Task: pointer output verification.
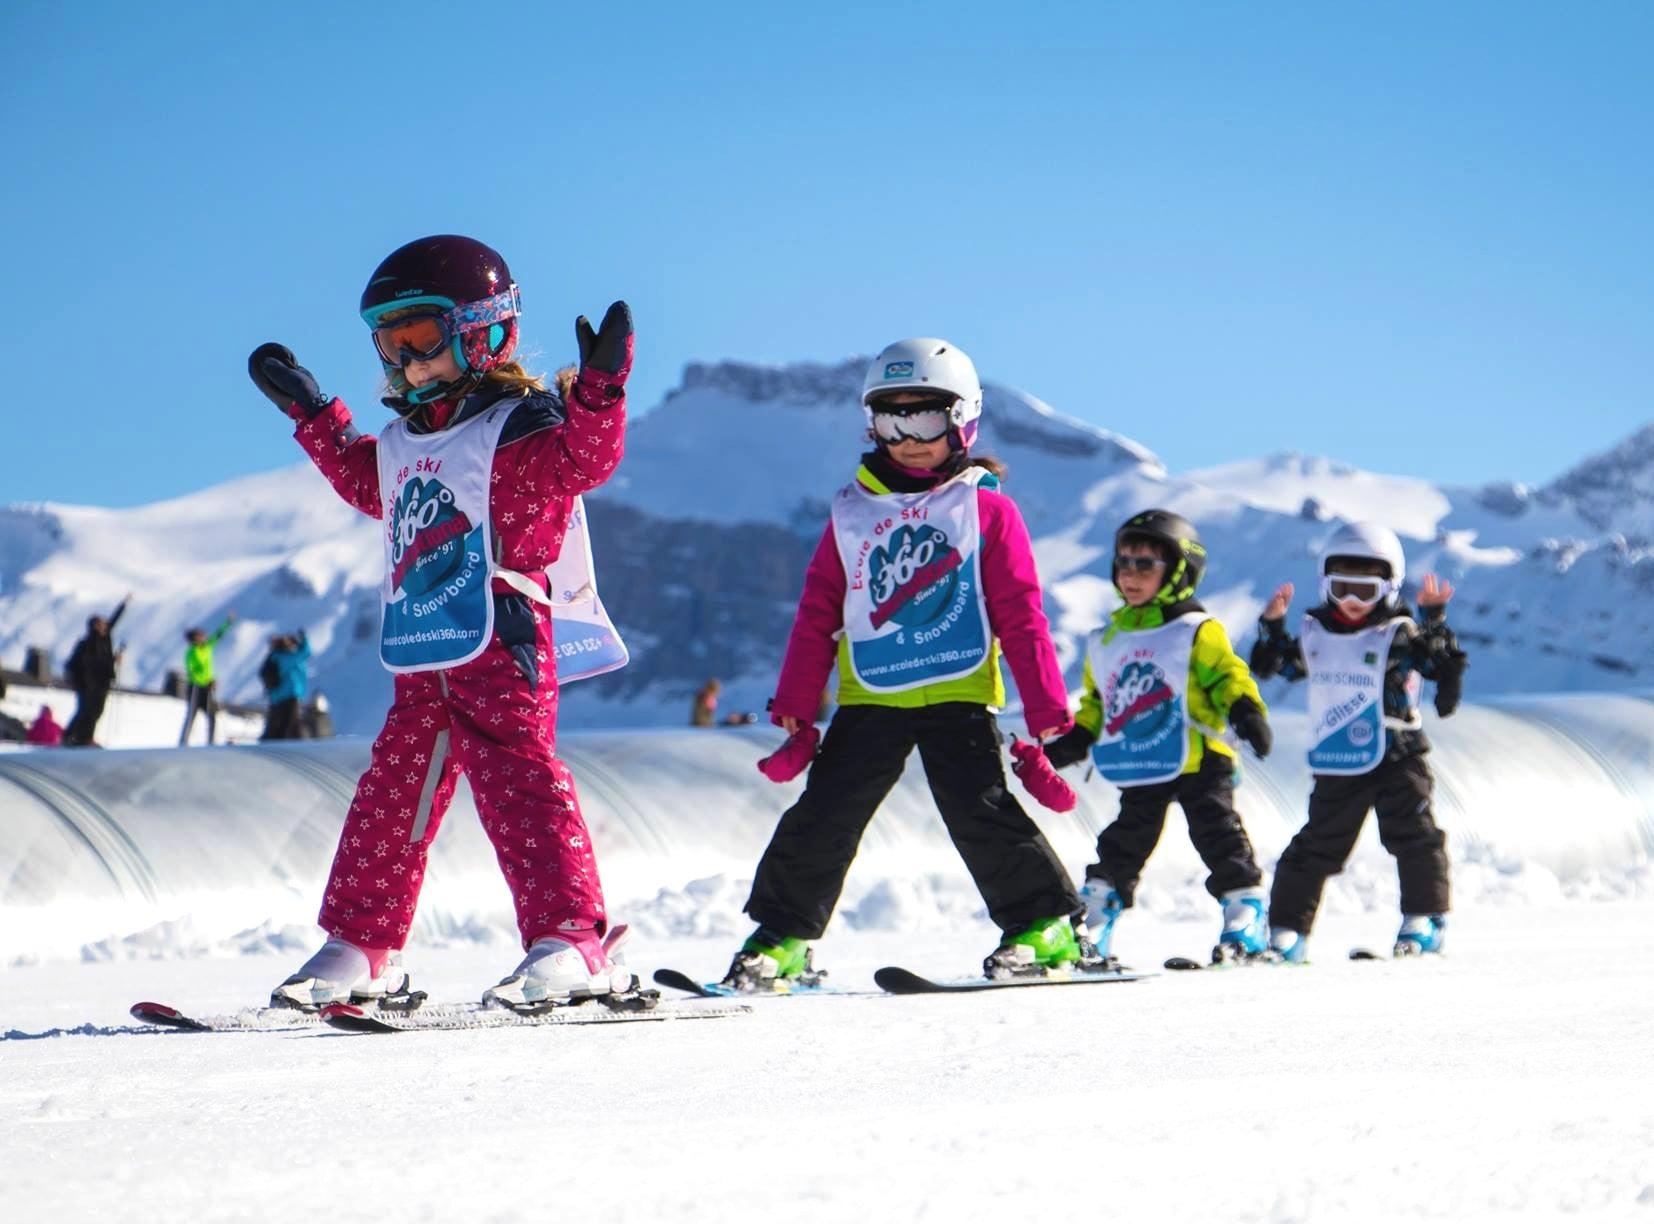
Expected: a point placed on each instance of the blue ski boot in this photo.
(1420, 934)
(1245, 926)
(1102, 907)
(1291, 947)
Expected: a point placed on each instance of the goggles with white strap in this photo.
(1365, 589)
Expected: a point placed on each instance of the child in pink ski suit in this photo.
(484, 460)
(924, 574)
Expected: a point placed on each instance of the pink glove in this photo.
(1039, 779)
(794, 757)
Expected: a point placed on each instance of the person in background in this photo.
(11, 729)
(91, 672)
(704, 713)
(45, 731)
(286, 673)
(200, 689)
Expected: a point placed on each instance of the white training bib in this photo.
(440, 561)
(1346, 696)
(914, 612)
(585, 640)
(439, 542)
(1143, 680)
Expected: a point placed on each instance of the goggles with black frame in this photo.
(921, 420)
(1129, 562)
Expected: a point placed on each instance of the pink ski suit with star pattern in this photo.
(484, 717)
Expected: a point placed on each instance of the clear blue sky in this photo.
(1414, 236)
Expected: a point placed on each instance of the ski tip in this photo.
(672, 979)
(142, 1011)
(1182, 964)
(897, 980)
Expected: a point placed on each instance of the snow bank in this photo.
(143, 854)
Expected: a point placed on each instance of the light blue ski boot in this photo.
(1245, 925)
(1102, 907)
(1420, 934)
(1290, 947)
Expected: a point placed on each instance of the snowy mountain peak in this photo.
(702, 536)
(796, 382)
(1615, 490)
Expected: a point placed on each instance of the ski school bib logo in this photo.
(912, 577)
(1346, 697)
(1143, 679)
(438, 607)
(1139, 702)
(428, 534)
(914, 612)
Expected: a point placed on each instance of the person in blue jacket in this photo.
(286, 677)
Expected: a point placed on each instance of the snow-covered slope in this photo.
(702, 537)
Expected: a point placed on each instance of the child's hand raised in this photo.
(1434, 592)
(1279, 602)
(606, 353)
(287, 384)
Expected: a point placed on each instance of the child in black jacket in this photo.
(1365, 659)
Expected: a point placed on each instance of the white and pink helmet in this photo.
(928, 364)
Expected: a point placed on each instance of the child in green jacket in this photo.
(1161, 681)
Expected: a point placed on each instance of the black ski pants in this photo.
(83, 727)
(862, 755)
(283, 721)
(1399, 789)
(1207, 797)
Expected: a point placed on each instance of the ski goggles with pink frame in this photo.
(425, 333)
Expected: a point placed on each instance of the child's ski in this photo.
(905, 982)
(672, 979)
(446, 1018)
(251, 1020)
(1185, 964)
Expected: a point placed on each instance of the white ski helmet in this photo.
(1370, 542)
(928, 364)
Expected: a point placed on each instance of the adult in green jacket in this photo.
(200, 687)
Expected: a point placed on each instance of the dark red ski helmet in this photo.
(464, 282)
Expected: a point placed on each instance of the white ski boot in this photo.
(340, 972)
(567, 968)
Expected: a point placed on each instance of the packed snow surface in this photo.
(1508, 1081)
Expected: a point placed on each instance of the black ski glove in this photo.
(1069, 748)
(1450, 667)
(1250, 724)
(605, 354)
(1437, 655)
(276, 372)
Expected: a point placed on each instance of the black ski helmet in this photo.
(444, 274)
(1187, 563)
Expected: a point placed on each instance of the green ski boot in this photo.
(771, 963)
(1035, 951)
